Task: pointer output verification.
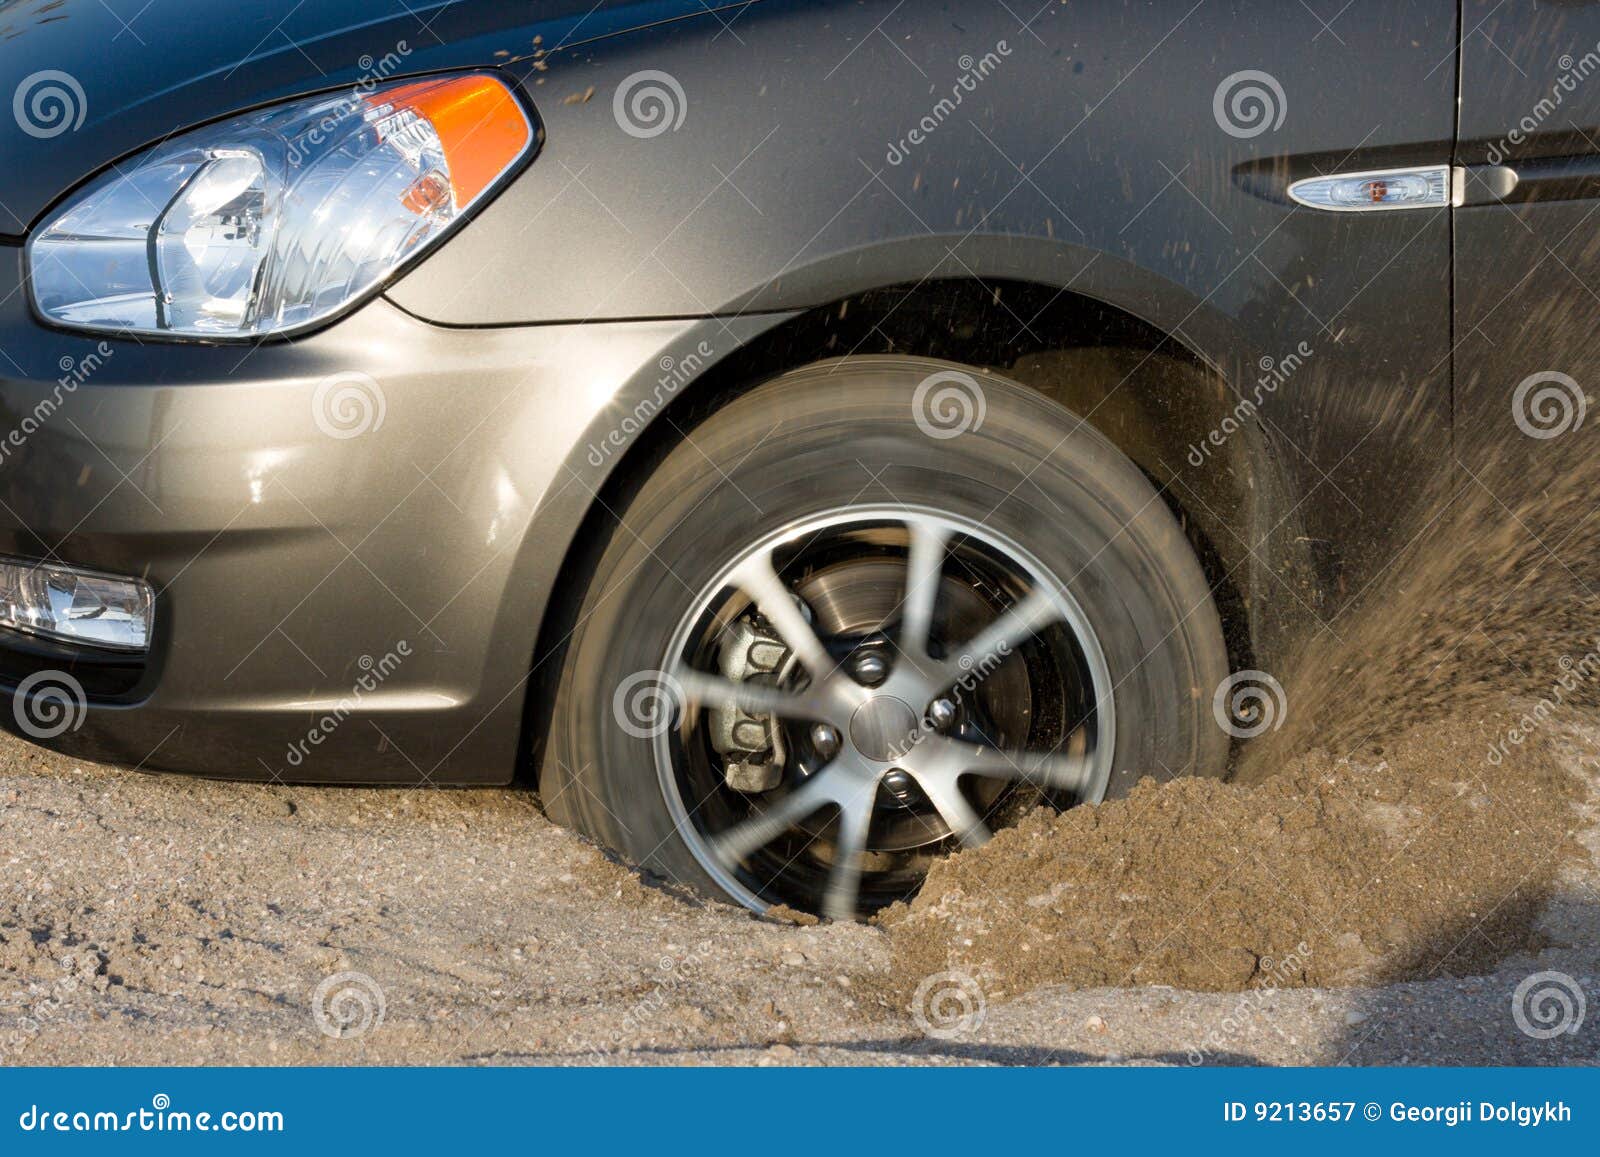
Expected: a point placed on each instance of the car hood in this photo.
(90, 81)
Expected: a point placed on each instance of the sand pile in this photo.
(1415, 858)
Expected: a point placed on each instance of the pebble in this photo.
(777, 1055)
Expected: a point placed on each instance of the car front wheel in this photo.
(871, 611)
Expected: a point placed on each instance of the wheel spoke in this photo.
(996, 640)
(1063, 770)
(758, 579)
(745, 837)
(944, 792)
(756, 698)
(924, 568)
(844, 881)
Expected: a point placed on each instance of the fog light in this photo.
(75, 606)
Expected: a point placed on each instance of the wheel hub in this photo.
(883, 727)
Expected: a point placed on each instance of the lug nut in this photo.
(825, 739)
(899, 784)
(941, 713)
(870, 668)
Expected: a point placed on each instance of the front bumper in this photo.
(352, 536)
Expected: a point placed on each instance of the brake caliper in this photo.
(751, 745)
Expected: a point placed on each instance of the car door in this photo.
(1527, 273)
(1519, 588)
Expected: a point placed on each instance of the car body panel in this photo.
(520, 364)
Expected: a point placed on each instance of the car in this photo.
(797, 438)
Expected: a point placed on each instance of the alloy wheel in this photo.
(926, 681)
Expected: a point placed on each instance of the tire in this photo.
(1041, 492)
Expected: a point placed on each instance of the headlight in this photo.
(75, 606)
(274, 220)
